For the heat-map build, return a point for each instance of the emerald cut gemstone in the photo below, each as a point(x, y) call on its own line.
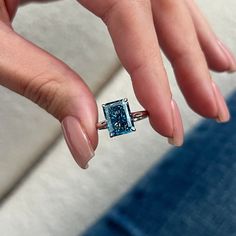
point(118, 117)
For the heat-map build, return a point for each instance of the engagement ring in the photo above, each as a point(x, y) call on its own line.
point(119, 119)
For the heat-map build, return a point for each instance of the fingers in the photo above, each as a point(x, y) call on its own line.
point(179, 41)
point(132, 30)
point(219, 58)
point(51, 84)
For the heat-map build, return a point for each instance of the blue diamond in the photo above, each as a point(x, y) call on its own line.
point(118, 117)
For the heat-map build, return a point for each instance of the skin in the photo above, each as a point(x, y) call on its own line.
point(177, 27)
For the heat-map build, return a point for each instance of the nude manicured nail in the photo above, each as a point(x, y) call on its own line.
point(229, 55)
point(223, 112)
point(178, 133)
point(77, 141)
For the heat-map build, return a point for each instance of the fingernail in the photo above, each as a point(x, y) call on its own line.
point(178, 134)
point(229, 55)
point(77, 141)
point(223, 112)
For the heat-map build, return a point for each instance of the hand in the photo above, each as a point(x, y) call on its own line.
point(139, 28)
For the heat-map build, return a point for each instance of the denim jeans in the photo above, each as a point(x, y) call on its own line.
point(191, 192)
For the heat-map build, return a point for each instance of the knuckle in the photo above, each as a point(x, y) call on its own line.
point(187, 54)
point(122, 6)
point(46, 90)
point(148, 59)
point(107, 12)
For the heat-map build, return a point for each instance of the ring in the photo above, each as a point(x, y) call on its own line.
point(119, 119)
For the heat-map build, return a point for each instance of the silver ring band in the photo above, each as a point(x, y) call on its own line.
point(136, 116)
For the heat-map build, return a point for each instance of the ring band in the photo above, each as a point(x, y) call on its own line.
point(119, 119)
point(136, 116)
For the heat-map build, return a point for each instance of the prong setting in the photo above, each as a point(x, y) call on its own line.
point(118, 117)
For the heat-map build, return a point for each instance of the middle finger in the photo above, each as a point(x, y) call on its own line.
point(131, 26)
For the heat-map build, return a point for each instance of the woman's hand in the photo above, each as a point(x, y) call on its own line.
point(139, 28)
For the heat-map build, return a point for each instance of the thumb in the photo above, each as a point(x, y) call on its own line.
point(35, 74)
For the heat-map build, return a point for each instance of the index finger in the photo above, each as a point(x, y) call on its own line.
point(131, 27)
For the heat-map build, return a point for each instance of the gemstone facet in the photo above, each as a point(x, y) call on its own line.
point(118, 117)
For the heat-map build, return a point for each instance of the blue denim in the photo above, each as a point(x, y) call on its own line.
point(192, 192)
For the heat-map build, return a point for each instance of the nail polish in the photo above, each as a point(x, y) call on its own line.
point(77, 141)
point(229, 55)
point(223, 112)
point(177, 139)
